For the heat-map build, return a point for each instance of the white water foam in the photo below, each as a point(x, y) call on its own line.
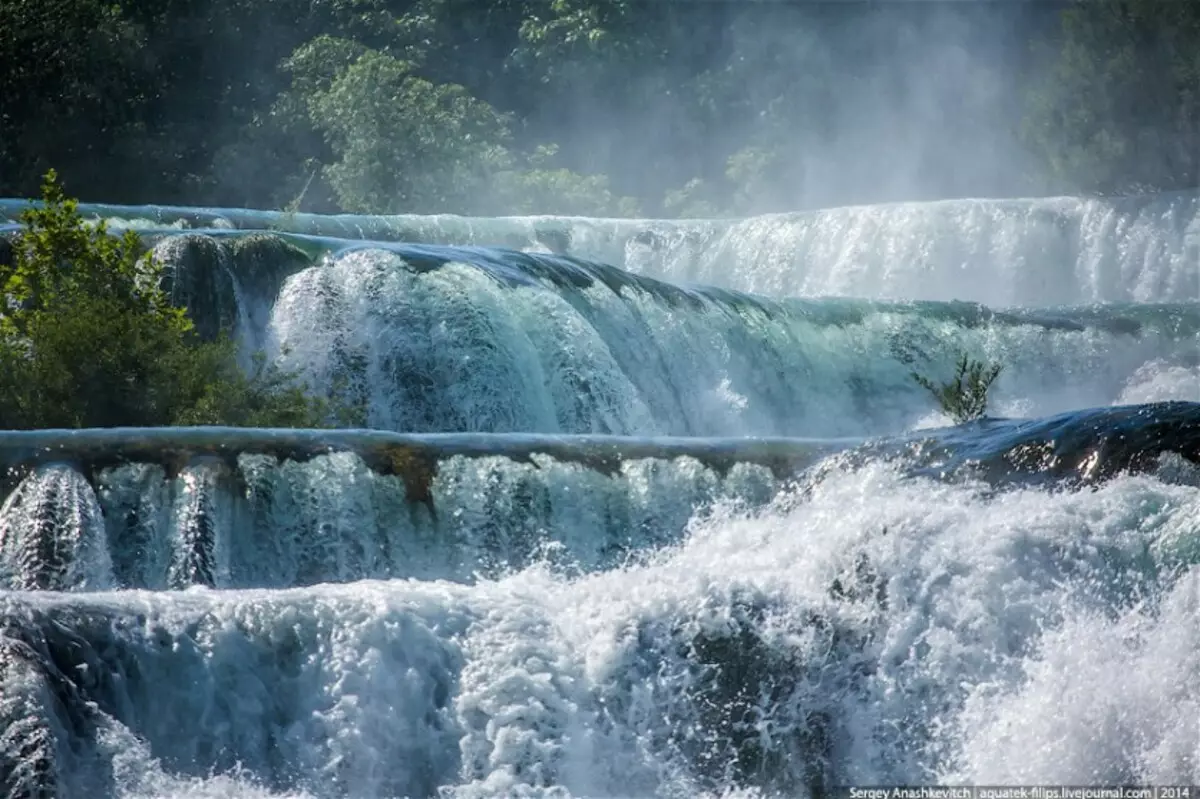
point(1029, 252)
point(1037, 252)
point(1157, 381)
point(884, 630)
point(455, 349)
point(52, 534)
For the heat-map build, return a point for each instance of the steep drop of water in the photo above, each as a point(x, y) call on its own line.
point(488, 341)
point(52, 534)
point(270, 508)
point(427, 338)
point(331, 519)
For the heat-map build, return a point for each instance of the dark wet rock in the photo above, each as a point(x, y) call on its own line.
point(263, 261)
point(197, 275)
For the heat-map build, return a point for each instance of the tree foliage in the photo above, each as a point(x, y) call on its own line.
point(537, 184)
point(964, 397)
point(454, 141)
point(710, 109)
point(89, 338)
point(398, 143)
point(1118, 108)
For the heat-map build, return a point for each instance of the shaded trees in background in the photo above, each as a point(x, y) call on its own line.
point(72, 70)
point(594, 106)
point(401, 142)
point(1118, 107)
point(398, 142)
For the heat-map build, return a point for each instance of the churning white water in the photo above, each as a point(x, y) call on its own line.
point(646, 624)
point(871, 629)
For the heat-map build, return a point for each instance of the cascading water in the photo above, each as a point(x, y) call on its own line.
point(52, 534)
point(541, 582)
point(433, 339)
point(1038, 252)
point(526, 345)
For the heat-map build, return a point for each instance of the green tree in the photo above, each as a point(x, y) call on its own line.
point(1118, 109)
point(538, 187)
point(89, 338)
point(693, 200)
point(404, 144)
point(748, 107)
point(397, 142)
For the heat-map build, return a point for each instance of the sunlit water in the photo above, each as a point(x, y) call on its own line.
point(999, 604)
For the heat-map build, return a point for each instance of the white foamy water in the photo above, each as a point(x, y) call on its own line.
point(1034, 252)
point(456, 348)
point(873, 630)
point(1039, 252)
point(511, 627)
point(1157, 381)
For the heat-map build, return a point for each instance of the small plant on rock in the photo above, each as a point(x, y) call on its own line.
point(965, 397)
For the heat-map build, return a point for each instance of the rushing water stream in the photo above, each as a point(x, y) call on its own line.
point(647, 508)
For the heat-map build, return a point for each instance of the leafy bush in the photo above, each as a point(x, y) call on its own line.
point(965, 397)
point(89, 338)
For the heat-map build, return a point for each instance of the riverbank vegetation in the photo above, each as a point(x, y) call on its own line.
point(90, 338)
point(597, 107)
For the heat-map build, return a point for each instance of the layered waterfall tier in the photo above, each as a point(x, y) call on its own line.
point(177, 507)
point(939, 632)
point(431, 339)
point(1039, 252)
point(172, 508)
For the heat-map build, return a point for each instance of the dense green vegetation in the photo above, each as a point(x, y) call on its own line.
point(90, 338)
point(1118, 107)
point(594, 106)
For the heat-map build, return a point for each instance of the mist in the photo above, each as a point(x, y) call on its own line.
point(858, 103)
point(692, 109)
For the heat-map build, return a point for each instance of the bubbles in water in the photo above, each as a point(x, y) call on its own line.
point(865, 628)
point(1159, 381)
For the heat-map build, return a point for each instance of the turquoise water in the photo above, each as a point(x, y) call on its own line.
point(679, 525)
